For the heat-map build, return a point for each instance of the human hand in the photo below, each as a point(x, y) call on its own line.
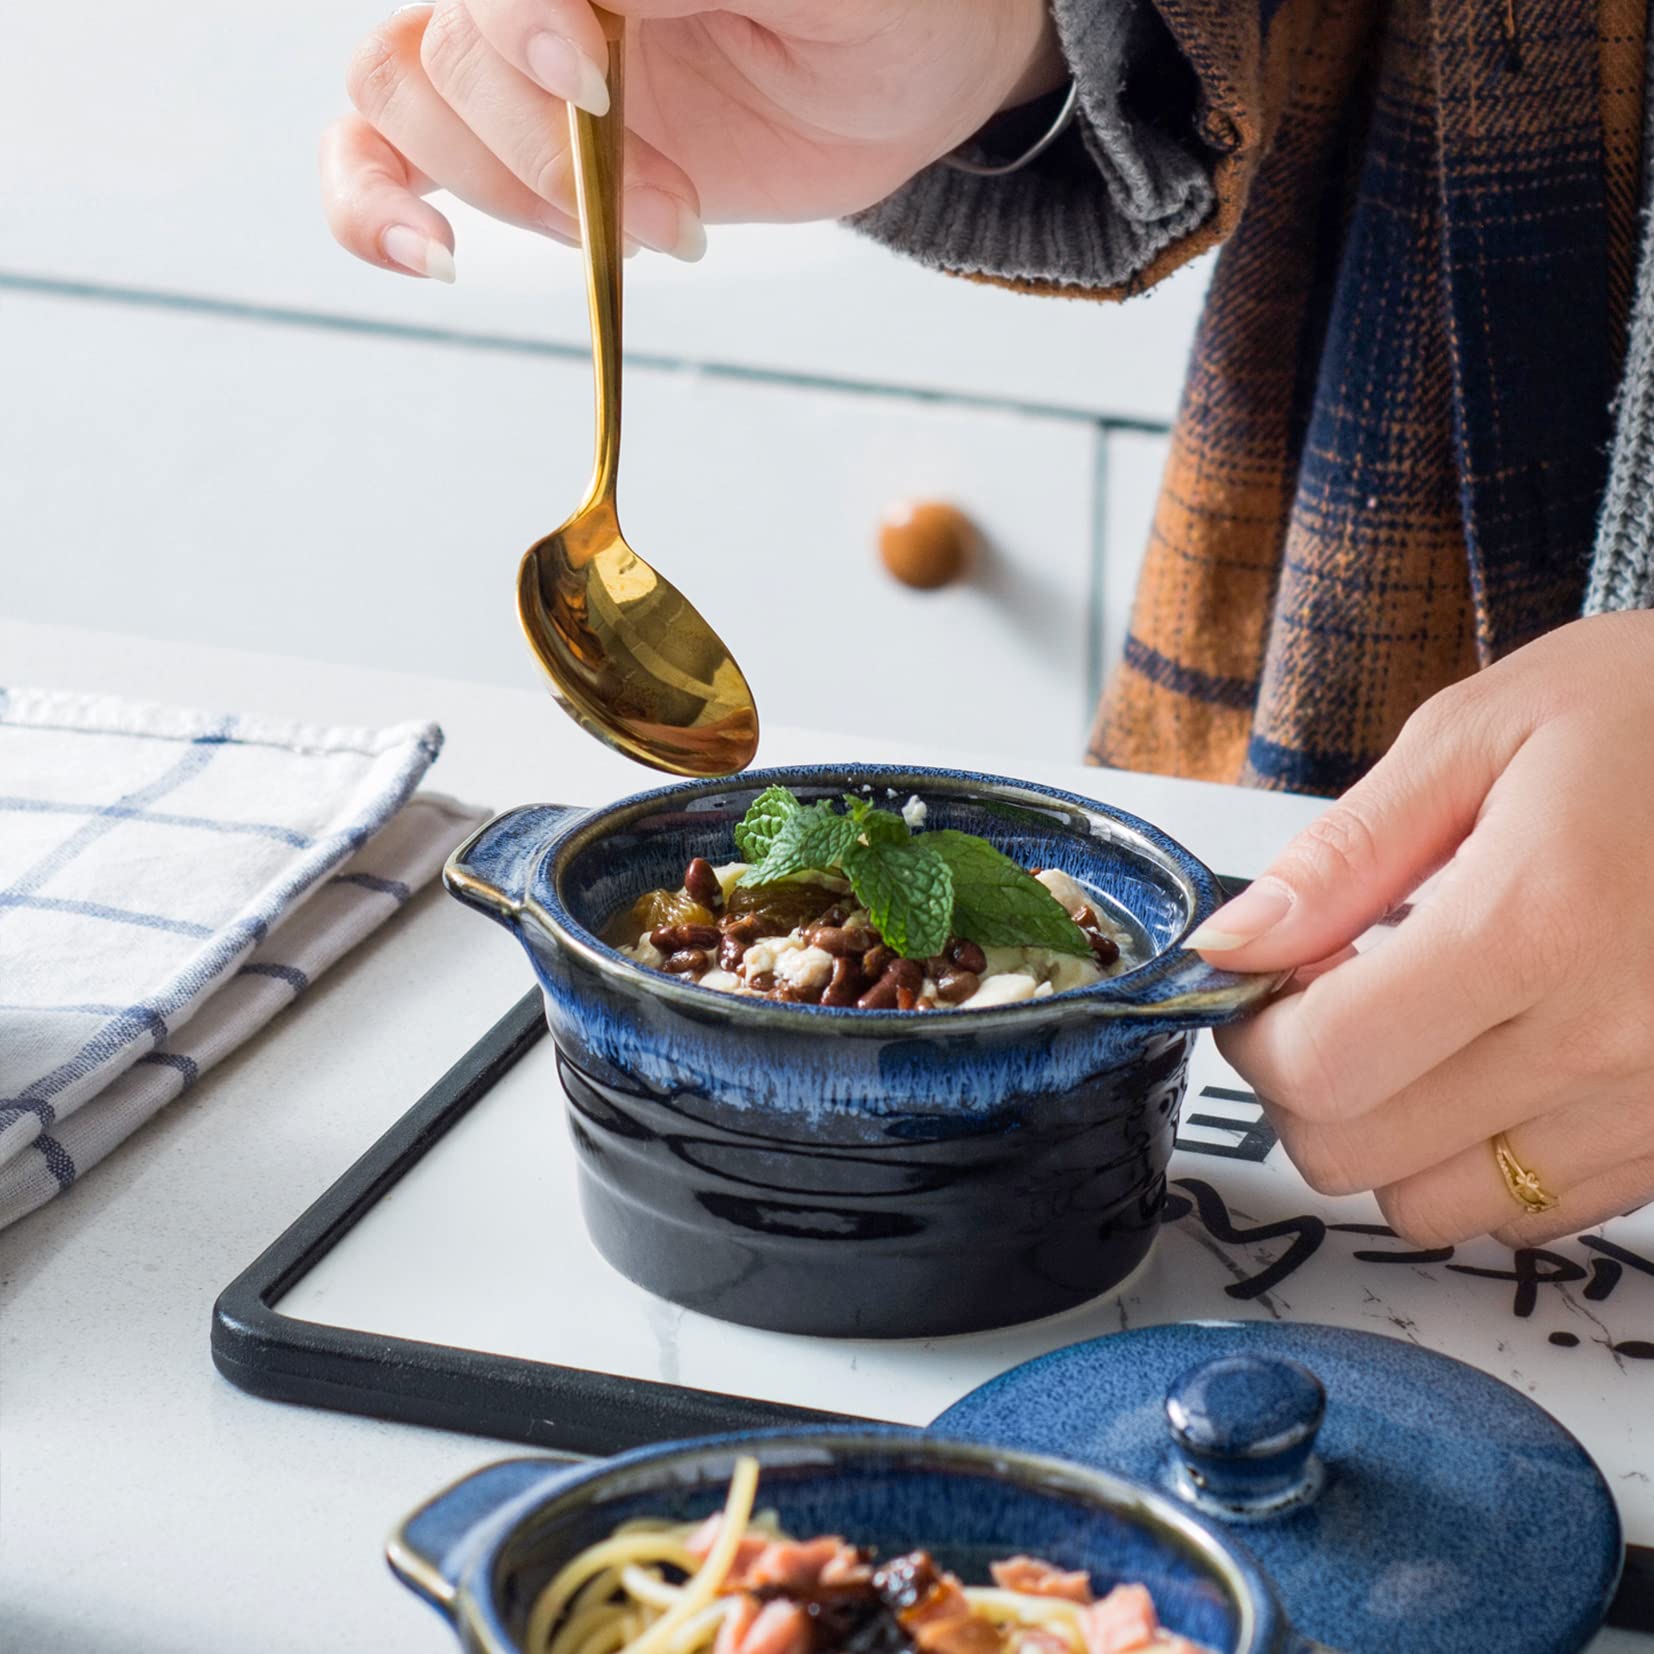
point(760, 109)
point(1518, 997)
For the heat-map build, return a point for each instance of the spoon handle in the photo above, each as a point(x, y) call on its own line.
point(598, 146)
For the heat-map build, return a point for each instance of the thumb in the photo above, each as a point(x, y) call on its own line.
point(1369, 851)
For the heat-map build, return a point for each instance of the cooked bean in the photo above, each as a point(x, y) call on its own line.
point(938, 965)
point(1084, 917)
point(799, 993)
point(1104, 949)
point(835, 915)
point(906, 999)
point(686, 962)
point(702, 883)
point(846, 986)
point(957, 986)
point(731, 951)
point(880, 997)
point(762, 983)
point(967, 956)
point(742, 926)
point(875, 959)
point(836, 940)
point(906, 973)
point(668, 938)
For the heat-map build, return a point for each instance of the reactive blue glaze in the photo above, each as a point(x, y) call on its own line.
point(1455, 1517)
point(1243, 1430)
point(482, 1551)
point(827, 1170)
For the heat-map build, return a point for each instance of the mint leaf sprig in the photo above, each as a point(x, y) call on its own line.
point(918, 889)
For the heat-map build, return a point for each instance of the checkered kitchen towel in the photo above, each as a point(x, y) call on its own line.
point(169, 880)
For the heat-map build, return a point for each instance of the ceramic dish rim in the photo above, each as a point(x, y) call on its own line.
point(1110, 997)
point(1254, 1599)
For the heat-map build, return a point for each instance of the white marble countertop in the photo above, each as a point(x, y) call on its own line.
point(148, 1507)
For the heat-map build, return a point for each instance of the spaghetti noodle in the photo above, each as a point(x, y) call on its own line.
point(735, 1584)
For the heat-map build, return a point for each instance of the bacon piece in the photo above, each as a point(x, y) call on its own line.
point(1035, 1639)
point(1033, 1578)
point(801, 1567)
point(781, 1628)
point(752, 1546)
point(1123, 1621)
point(737, 1622)
point(751, 1627)
point(935, 1611)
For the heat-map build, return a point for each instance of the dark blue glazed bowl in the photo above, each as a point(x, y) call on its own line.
point(861, 1173)
point(482, 1551)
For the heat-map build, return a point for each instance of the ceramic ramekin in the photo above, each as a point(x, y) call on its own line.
point(860, 1173)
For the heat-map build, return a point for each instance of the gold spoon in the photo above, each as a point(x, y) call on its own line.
point(628, 657)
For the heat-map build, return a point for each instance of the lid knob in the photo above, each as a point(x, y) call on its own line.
point(1243, 1436)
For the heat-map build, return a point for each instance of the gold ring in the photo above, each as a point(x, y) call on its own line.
point(1525, 1188)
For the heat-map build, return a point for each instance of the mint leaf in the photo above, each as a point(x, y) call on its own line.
point(907, 890)
point(765, 814)
point(999, 904)
point(876, 826)
point(810, 839)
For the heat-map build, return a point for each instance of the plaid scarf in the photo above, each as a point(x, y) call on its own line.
point(1392, 444)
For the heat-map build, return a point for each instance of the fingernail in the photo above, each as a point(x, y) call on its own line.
point(417, 253)
point(1258, 908)
point(663, 223)
point(567, 73)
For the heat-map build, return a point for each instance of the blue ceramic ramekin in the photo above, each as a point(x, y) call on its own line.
point(482, 1551)
point(860, 1173)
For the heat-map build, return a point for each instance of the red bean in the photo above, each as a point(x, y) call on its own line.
point(967, 956)
point(875, 960)
point(798, 993)
point(1104, 949)
point(906, 973)
point(846, 986)
point(906, 999)
point(731, 951)
point(880, 997)
point(670, 937)
point(957, 986)
point(686, 962)
point(762, 983)
point(742, 926)
point(702, 883)
point(834, 939)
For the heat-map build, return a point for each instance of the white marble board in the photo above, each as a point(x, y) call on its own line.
point(481, 1246)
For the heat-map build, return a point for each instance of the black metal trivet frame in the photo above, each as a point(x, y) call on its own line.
point(568, 1409)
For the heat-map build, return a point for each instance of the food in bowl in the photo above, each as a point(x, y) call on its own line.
point(860, 907)
point(735, 1583)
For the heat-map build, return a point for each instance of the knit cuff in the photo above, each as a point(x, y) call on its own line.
point(1098, 210)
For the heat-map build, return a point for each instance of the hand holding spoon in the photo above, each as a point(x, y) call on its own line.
point(628, 657)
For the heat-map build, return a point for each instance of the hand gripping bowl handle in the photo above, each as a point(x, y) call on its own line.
point(433, 1547)
point(491, 870)
point(1182, 988)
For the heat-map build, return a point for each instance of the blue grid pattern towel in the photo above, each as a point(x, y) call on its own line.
point(168, 881)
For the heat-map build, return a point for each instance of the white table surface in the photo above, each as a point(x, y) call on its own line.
point(147, 1506)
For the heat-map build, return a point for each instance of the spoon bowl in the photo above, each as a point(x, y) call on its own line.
point(627, 655)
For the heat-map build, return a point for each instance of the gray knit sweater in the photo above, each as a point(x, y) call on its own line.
point(1123, 189)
